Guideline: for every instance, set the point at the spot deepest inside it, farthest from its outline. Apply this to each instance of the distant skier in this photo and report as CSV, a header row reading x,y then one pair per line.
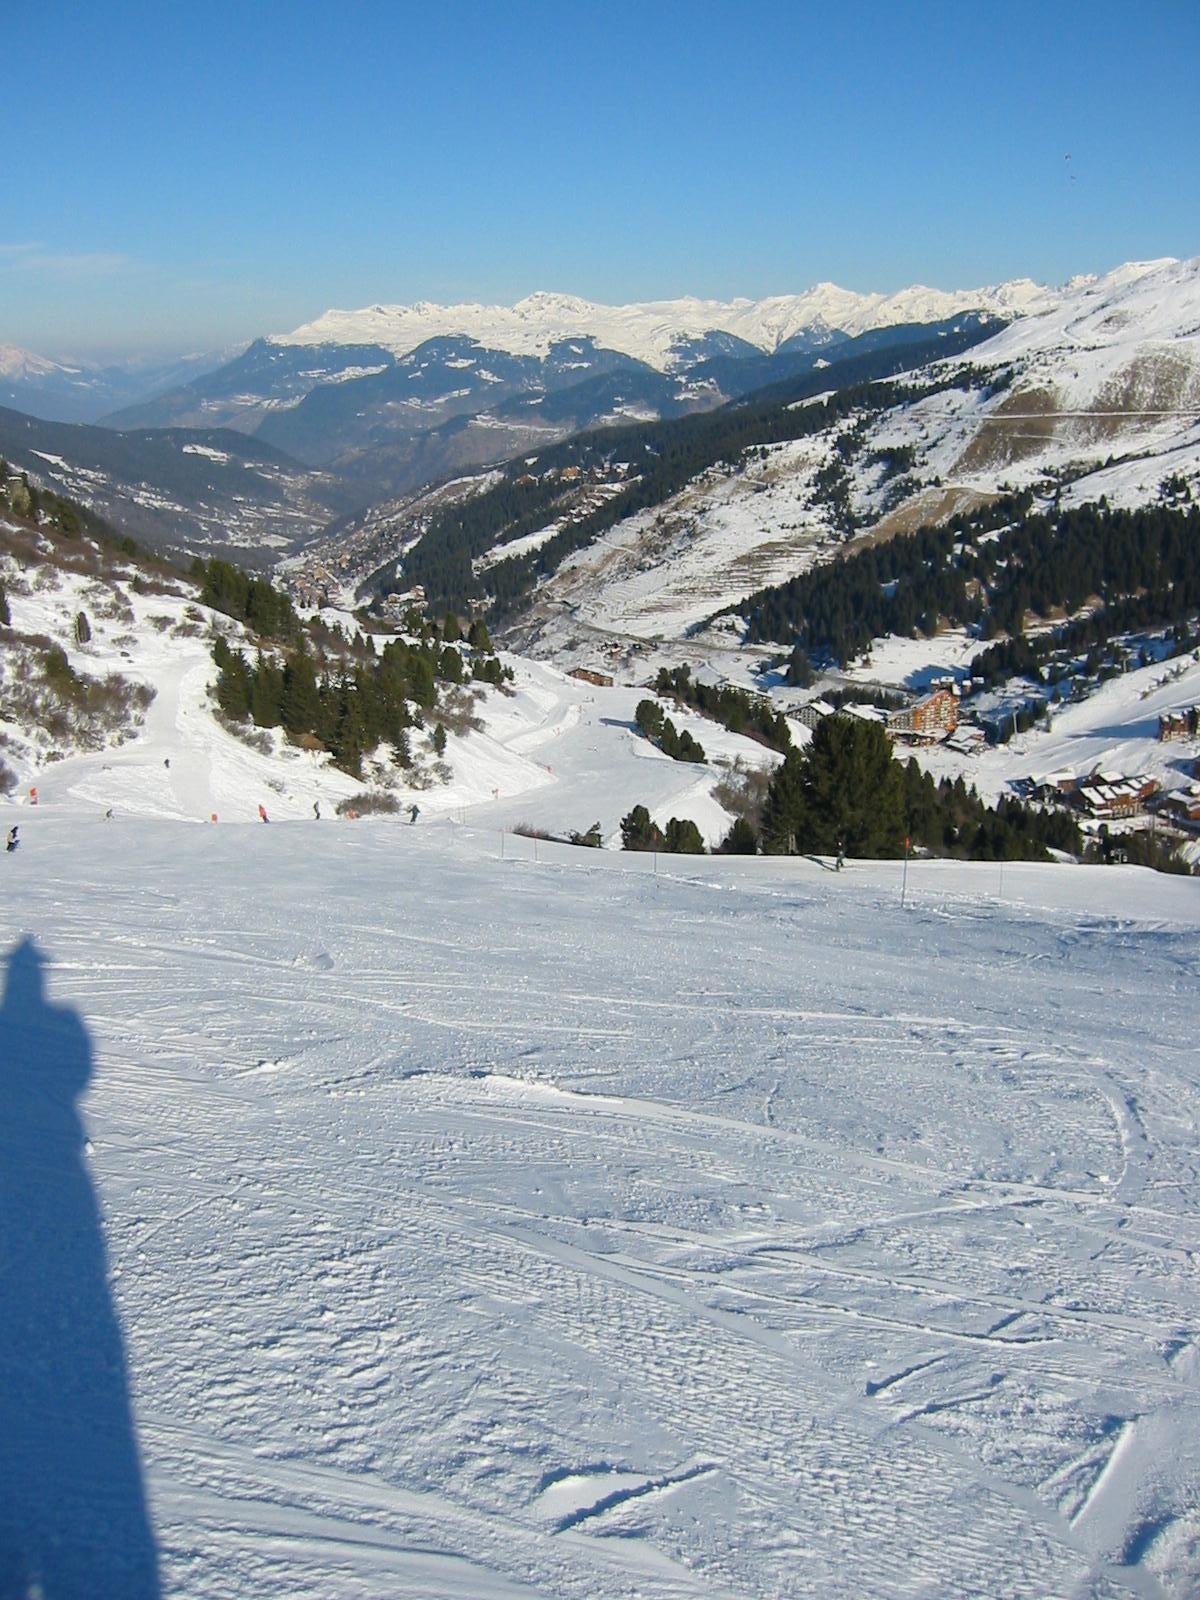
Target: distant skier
x,y
262,814
841,857
13,841
317,809
413,813
108,815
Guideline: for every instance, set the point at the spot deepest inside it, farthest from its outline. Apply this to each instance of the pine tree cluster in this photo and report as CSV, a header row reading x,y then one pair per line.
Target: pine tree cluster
x,y
736,710
639,832
344,696
255,601
991,568
847,793
660,730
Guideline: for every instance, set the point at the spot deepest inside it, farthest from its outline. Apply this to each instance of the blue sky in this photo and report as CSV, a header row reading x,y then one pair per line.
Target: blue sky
x,y
187,174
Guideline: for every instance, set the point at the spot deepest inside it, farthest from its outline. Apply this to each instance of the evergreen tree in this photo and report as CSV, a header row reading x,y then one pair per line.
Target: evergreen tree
x,y
648,718
846,791
266,693
450,665
233,682
683,837
347,741
799,671
300,703
741,840
781,808
421,684
488,670
638,832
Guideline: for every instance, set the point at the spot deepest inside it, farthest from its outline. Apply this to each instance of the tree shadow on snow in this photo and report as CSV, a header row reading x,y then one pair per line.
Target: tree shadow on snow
x,y
73,1518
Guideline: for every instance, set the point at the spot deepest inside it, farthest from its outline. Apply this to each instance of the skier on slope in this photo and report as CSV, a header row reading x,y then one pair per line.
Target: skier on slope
x,y
13,841
413,813
262,813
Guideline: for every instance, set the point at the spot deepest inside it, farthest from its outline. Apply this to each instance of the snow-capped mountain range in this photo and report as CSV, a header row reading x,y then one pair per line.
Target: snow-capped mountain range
x,y
662,333
397,396
17,364
397,402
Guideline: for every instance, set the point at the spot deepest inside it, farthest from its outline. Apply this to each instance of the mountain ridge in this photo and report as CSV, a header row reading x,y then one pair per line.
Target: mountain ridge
x,y
1098,398
83,391
176,489
653,331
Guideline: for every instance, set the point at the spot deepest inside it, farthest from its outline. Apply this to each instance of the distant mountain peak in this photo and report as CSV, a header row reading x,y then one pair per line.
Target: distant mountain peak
x,y
544,302
652,331
23,365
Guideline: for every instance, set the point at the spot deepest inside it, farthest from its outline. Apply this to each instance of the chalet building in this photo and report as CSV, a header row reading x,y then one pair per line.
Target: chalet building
x,y
927,720
966,740
602,680
815,711
1179,724
1108,798
1182,808
1056,787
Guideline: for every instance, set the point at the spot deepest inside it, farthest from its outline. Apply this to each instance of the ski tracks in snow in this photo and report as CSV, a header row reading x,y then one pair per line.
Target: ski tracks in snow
x,y
491,1234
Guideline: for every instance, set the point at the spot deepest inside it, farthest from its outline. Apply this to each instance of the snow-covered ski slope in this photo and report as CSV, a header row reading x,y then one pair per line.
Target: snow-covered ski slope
x,y
549,751
488,1227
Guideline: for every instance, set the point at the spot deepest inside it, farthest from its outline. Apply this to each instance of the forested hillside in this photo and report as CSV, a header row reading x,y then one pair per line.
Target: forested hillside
x,y
657,459
991,569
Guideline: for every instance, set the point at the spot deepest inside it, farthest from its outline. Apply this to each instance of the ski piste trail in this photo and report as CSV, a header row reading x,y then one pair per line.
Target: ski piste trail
x,y
485,1217
585,1225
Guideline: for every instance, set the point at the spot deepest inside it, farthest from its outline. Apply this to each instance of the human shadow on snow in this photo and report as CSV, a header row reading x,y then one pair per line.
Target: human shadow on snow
x,y
73,1516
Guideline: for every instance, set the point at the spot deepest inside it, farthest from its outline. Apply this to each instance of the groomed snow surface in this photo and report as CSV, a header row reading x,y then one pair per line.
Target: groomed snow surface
x,y
486,1227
